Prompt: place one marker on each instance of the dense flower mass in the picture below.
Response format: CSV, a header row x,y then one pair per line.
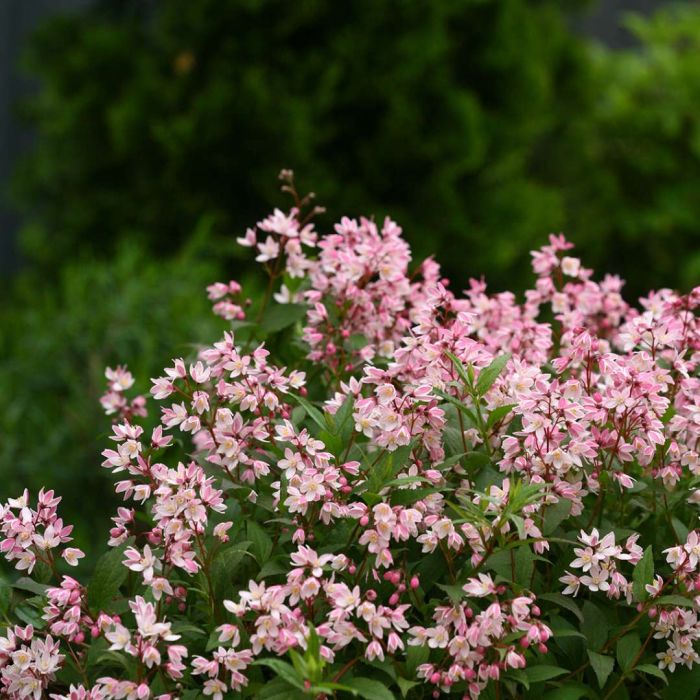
x,y
374,486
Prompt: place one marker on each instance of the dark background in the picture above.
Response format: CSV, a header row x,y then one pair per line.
x,y
18,18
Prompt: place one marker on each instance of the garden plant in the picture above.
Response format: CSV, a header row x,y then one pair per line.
x,y
375,486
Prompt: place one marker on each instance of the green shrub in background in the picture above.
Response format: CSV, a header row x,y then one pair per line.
x,y
641,196
447,112
480,125
55,344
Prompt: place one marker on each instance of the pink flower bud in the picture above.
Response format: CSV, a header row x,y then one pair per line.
x,y
415,583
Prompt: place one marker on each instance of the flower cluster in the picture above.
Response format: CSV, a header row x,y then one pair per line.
x,y
478,641
32,534
598,561
371,479
28,662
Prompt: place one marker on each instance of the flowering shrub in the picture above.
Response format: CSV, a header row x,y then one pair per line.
x,y
372,486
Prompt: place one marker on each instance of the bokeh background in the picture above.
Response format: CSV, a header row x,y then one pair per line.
x,y
140,137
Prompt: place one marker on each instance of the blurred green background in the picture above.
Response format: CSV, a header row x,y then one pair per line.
x,y
159,129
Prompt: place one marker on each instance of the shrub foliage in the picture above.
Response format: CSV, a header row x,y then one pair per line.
x,y
370,486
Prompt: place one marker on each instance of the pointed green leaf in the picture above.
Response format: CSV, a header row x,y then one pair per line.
x,y
280,316
370,689
537,674
107,578
282,669
643,574
490,374
602,666
652,670
626,650
498,414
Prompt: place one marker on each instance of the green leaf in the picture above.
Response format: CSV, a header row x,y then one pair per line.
x,y
273,567
490,374
475,460
524,565
405,685
311,411
643,574
107,578
327,688
680,529
602,666
455,402
461,369
652,670
191,694
5,597
407,481
453,590
225,566
313,644
370,689
278,689
405,497
573,690
27,584
626,650
343,423
498,414
29,615
537,674
280,316
595,625
284,670
186,629
261,543
554,515
683,683
299,663
415,656
678,600
562,632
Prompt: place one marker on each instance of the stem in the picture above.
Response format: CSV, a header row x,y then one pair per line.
x,y
345,669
